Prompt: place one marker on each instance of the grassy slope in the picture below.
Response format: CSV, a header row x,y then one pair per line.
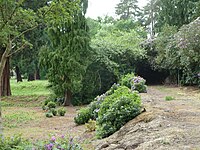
x,y
38,87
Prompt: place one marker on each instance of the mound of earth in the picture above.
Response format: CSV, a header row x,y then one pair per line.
x,y
165,125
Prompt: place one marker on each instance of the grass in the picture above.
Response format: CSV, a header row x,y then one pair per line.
x,y
31,88
169,98
22,114
13,118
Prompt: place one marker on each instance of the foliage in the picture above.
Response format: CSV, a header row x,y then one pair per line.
x,y
169,98
126,79
91,111
13,143
128,9
49,114
187,40
51,105
54,111
83,116
138,84
169,11
55,143
61,143
61,111
117,109
91,125
178,51
67,55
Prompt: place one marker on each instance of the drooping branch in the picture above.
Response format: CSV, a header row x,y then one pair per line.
x,y
17,50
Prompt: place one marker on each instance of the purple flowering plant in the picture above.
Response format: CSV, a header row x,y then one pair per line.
x,y
138,84
61,143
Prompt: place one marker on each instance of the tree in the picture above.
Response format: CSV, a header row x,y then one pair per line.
x,y
177,12
179,51
14,23
127,9
117,50
69,52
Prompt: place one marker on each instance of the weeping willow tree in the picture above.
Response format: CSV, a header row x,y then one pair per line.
x,y
67,54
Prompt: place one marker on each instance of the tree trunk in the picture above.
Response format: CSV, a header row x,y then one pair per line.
x,y
68,97
18,74
2,66
37,74
5,90
31,77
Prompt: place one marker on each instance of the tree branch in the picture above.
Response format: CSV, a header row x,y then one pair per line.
x,y
17,50
24,32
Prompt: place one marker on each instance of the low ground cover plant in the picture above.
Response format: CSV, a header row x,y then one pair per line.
x,y
169,98
51,110
54,143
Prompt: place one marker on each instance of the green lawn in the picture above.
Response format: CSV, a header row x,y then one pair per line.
x,y
25,88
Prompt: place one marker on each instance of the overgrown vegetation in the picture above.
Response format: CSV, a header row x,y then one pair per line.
x,y
55,143
114,108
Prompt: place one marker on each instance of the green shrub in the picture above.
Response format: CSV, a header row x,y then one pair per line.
x,y
83,116
15,142
47,101
54,111
61,111
138,84
117,109
54,143
44,107
51,105
126,80
91,125
169,98
49,114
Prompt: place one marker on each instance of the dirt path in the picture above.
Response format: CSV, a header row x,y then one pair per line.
x,y
166,125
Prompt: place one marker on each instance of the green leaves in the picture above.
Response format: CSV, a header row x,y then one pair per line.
x,y
68,53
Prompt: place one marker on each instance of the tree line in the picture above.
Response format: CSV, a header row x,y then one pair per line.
x,y
82,57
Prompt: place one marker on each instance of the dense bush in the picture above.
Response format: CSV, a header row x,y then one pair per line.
x,y
83,116
134,82
126,79
61,111
51,105
117,109
91,111
138,84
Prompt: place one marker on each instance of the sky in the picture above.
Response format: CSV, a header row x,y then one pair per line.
x,y
105,7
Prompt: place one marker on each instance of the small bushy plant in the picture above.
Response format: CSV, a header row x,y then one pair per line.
x,y
61,111
91,125
126,79
51,105
54,111
169,98
49,114
61,143
138,84
83,116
